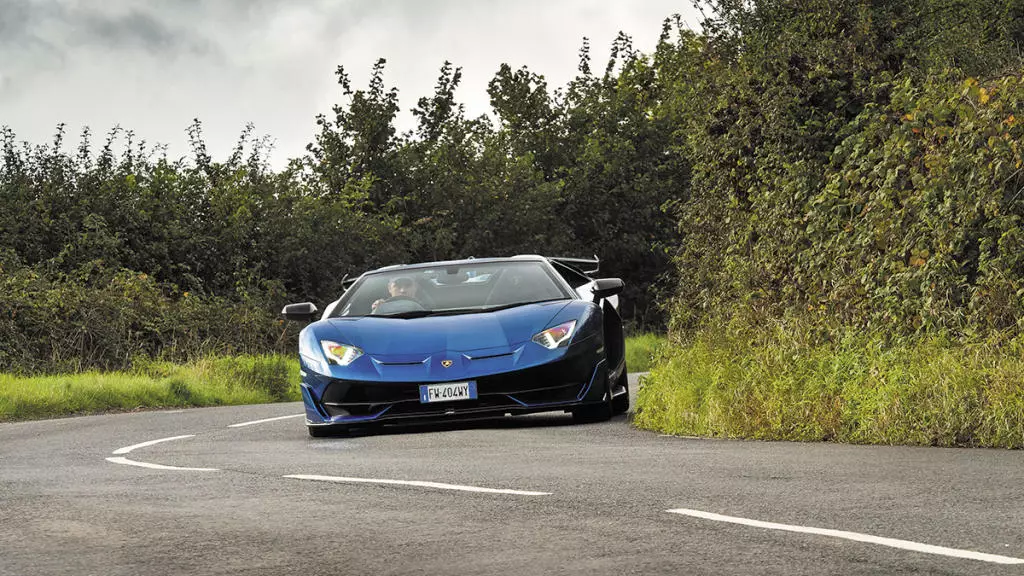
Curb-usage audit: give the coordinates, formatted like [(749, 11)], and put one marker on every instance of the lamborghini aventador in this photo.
[(467, 338)]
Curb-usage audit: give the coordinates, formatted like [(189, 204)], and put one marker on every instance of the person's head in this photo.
[(402, 286)]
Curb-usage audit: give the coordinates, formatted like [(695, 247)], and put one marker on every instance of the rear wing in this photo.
[(586, 266)]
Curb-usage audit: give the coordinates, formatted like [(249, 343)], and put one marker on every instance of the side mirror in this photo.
[(606, 287), (303, 312)]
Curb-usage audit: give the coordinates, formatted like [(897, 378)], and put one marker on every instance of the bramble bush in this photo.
[(858, 164), (834, 164), (105, 320), (115, 253), (851, 265)]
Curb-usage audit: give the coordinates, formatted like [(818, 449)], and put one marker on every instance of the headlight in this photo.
[(556, 337), (340, 354)]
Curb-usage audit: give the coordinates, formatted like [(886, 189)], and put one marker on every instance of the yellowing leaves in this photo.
[(919, 258)]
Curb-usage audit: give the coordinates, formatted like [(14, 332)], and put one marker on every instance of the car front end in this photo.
[(381, 370)]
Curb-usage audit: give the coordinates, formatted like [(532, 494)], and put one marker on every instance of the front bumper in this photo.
[(576, 379)]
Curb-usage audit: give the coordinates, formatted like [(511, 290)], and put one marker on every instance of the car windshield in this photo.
[(454, 289)]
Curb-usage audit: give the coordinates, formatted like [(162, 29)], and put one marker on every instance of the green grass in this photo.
[(211, 381), (642, 350), (930, 391), (208, 382)]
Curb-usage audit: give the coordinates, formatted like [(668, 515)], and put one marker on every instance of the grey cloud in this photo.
[(18, 16), (22, 50), (135, 29), (31, 27), (18, 21)]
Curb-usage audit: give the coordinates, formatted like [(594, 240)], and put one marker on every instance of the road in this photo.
[(69, 505)]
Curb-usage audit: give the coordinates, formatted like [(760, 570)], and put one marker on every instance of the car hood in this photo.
[(501, 329)]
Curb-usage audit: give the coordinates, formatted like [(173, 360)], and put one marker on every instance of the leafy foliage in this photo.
[(849, 162), (854, 162), (850, 264), (111, 256)]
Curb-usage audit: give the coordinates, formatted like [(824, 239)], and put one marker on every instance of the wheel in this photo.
[(324, 431), (593, 413), (596, 412), (620, 404)]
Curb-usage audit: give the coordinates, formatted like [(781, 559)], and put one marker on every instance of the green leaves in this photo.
[(840, 160), (859, 163)]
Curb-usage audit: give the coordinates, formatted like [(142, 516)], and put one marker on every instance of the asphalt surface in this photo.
[(66, 509)]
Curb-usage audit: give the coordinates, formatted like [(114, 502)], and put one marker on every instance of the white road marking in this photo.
[(128, 449), (891, 542), (123, 460), (265, 420), (418, 483), (127, 462)]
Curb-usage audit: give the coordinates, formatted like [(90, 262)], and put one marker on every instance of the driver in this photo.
[(398, 287)]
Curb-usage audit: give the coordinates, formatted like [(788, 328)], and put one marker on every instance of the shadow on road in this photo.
[(544, 420)]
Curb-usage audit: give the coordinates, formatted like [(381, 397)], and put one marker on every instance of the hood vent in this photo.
[(413, 363), (484, 357)]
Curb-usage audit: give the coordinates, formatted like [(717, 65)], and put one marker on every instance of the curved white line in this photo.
[(127, 462), (265, 420), (123, 460), (417, 483), (128, 449), (856, 536)]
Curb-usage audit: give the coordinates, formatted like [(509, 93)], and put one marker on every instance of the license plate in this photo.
[(447, 392)]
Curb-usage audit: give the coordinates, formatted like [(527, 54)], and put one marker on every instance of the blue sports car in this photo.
[(465, 338)]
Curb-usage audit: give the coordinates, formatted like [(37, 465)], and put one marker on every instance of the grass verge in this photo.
[(932, 391), (211, 381), (207, 382), (641, 350)]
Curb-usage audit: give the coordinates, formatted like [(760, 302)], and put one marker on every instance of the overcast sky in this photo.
[(153, 65)]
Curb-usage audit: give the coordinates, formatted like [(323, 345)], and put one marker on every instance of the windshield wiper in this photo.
[(423, 313), (455, 311), (406, 314), (516, 304), (475, 309)]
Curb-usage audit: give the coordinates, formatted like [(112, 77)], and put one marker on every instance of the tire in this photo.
[(596, 412), (620, 404), (324, 431), (593, 413)]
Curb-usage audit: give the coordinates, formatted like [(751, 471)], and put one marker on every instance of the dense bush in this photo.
[(846, 163), (98, 319), (856, 162), (117, 253), (851, 265)]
